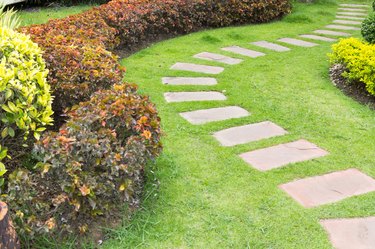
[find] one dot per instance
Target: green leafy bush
(92, 165)
(368, 28)
(25, 97)
(358, 58)
(373, 5)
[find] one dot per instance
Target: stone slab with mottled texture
(347, 22)
(353, 233)
(352, 9)
(248, 133)
(351, 14)
(197, 68)
(271, 46)
(318, 38)
(353, 5)
(342, 27)
(283, 154)
(351, 18)
(193, 96)
(330, 32)
(297, 42)
(329, 188)
(218, 57)
(196, 81)
(214, 114)
(243, 51)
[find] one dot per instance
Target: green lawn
(208, 197)
(42, 15)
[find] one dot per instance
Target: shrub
(358, 57)
(25, 97)
(368, 28)
(373, 5)
(92, 165)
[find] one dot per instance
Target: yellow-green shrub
(359, 59)
(25, 98)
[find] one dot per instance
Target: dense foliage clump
(358, 58)
(25, 97)
(92, 165)
(368, 29)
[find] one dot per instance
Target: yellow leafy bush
(359, 59)
(25, 98)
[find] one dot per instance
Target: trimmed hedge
(358, 58)
(71, 41)
(368, 28)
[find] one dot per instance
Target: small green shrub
(358, 58)
(368, 28)
(373, 6)
(94, 164)
(25, 97)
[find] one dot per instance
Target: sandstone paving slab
(351, 18)
(197, 81)
(197, 68)
(354, 5)
(218, 57)
(283, 154)
(330, 32)
(243, 51)
(318, 38)
(214, 114)
(297, 42)
(248, 133)
(193, 96)
(271, 46)
(342, 27)
(347, 22)
(353, 9)
(353, 233)
(329, 188)
(351, 14)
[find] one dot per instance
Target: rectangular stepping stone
(197, 68)
(243, 51)
(248, 133)
(353, 5)
(214, 114)
(271, 46)
(201, 81)
(351, 18)
(330, 32)
(351, 14)
(283, 154)
(319, 38)
(297, 42)
(329, 188)
(353, 9)
(354, 233)
(347, 22)
(218, 57)
(193, 96)
(342, 27)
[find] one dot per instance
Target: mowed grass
(208, 197)
(202, 195)
(43, 15)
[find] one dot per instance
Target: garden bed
(355, 90)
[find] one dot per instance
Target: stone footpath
(354, 233)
